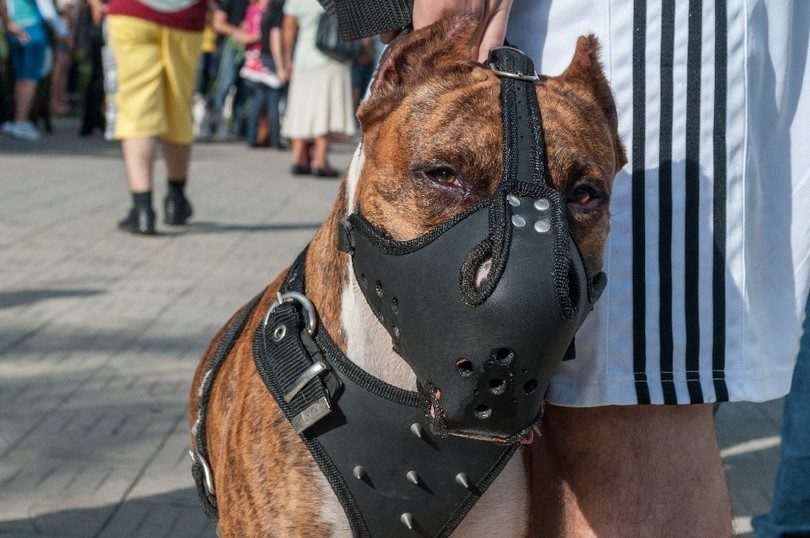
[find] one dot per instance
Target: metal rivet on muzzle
(518, 221)
(542, 226)
(407, 520)
(413, 477)
(417, 429)
(279, 332)
(542, 204)
(513, 200)
(359, 472)
(463, 481)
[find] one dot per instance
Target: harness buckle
(322, 405)
(312, 414)
(305, 378)
(527, 77)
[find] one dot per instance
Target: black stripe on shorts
(719, 203)
(692, 199)
(665, 203)
(637, 202)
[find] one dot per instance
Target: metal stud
(542, 226)
(518, 221)
(513, 200)
(542, 204)
(463, 481)
(407, 520)
(359, 472)
(413, 477)
(279, 332)
(417, 429)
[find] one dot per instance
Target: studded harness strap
(391, 475)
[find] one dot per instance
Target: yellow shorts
(155, 67)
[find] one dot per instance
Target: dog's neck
(342, 308)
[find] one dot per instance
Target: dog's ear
(586, 71)
(419, 56)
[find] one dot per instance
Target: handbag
(328, 41)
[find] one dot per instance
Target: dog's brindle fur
(432, 146)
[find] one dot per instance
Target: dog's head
(433, 137)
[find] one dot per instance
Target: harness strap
(200, 470)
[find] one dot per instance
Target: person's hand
(245, 38)
(494, 14)
(283, 74)
(98, 10)
(18, 32)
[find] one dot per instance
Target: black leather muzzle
(485, 307)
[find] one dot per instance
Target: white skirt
(319, 102)
(707, 273)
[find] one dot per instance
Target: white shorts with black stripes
(708, 258)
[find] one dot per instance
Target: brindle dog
(432, 146)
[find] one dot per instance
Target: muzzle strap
(522, 125)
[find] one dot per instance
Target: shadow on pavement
(10, 299)
(208, 227)
(175, 513)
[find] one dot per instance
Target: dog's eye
(441, 174)
(438, 174)
(586, 196)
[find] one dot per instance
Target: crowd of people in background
(260, 77)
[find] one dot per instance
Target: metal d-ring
(294, 297)
(208, 476)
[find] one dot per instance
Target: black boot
(177, 209)
(140, 220)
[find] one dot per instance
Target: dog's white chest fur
(503, 510)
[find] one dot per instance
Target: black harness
(384, 450)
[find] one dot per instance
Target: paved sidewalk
(100, 332)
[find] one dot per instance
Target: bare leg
(59, 96)
(632, 471)
(300, 151)
(139, 158)
(320, 152)
(177, 157)
(24, 93)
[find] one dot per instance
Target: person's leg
(25, 92)
(632, 471)
(790, 512)
(141, 115)
(139, 158)
(320, 158)
(253, 110)
(59, 79)
(177, 157)
(181, 49)
(274, 116)
(300, 153)
(226, 75)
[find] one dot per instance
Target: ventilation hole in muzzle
(503, 356)
(497, 385)
(464, 367)
(529, 386)
(378, 288)
(482, 411)
(573, 285)
(395, 305)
